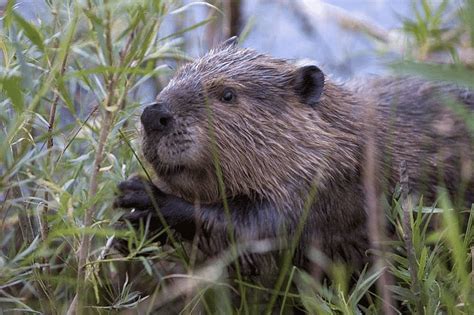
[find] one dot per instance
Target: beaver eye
(228, 96)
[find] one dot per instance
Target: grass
(68, 135)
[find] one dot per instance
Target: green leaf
(364, 283)
(147, 265)
(8, 13)
(469, 18)
(187, 29)
(441, 72)
(11, 85)
(30, 31)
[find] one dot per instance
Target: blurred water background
(280, 28)
(331, 33)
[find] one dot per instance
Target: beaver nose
(156, 117)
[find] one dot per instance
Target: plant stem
(407, 206)
(376, 220)
(108, 115)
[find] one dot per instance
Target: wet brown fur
(272, 148)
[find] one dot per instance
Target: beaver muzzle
(156, 117)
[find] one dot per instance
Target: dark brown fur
(277, 139)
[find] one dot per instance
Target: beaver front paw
(139, 194)
(143, 200)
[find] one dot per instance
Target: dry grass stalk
(376, 221)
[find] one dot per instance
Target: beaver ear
(309, 84)
(230, 42)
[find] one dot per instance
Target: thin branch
(76, 306)
(315, 9)
(108, 118)
(43, 217)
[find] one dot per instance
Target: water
(284, 28)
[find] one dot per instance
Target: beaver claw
(143, 199)
(147, 202)
(138, 193)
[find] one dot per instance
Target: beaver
(246, 147)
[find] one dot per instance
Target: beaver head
(254, 119)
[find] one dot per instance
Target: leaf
(146, 264)
(31, 248)
(187, 29)
(365, 281)
(199, 3)
(107, 70)
(7, 16)
(11, 85)
(400, 293)
(428, 210)
(457, 74)
(4, 52)
(30, 31)
(469, 18)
